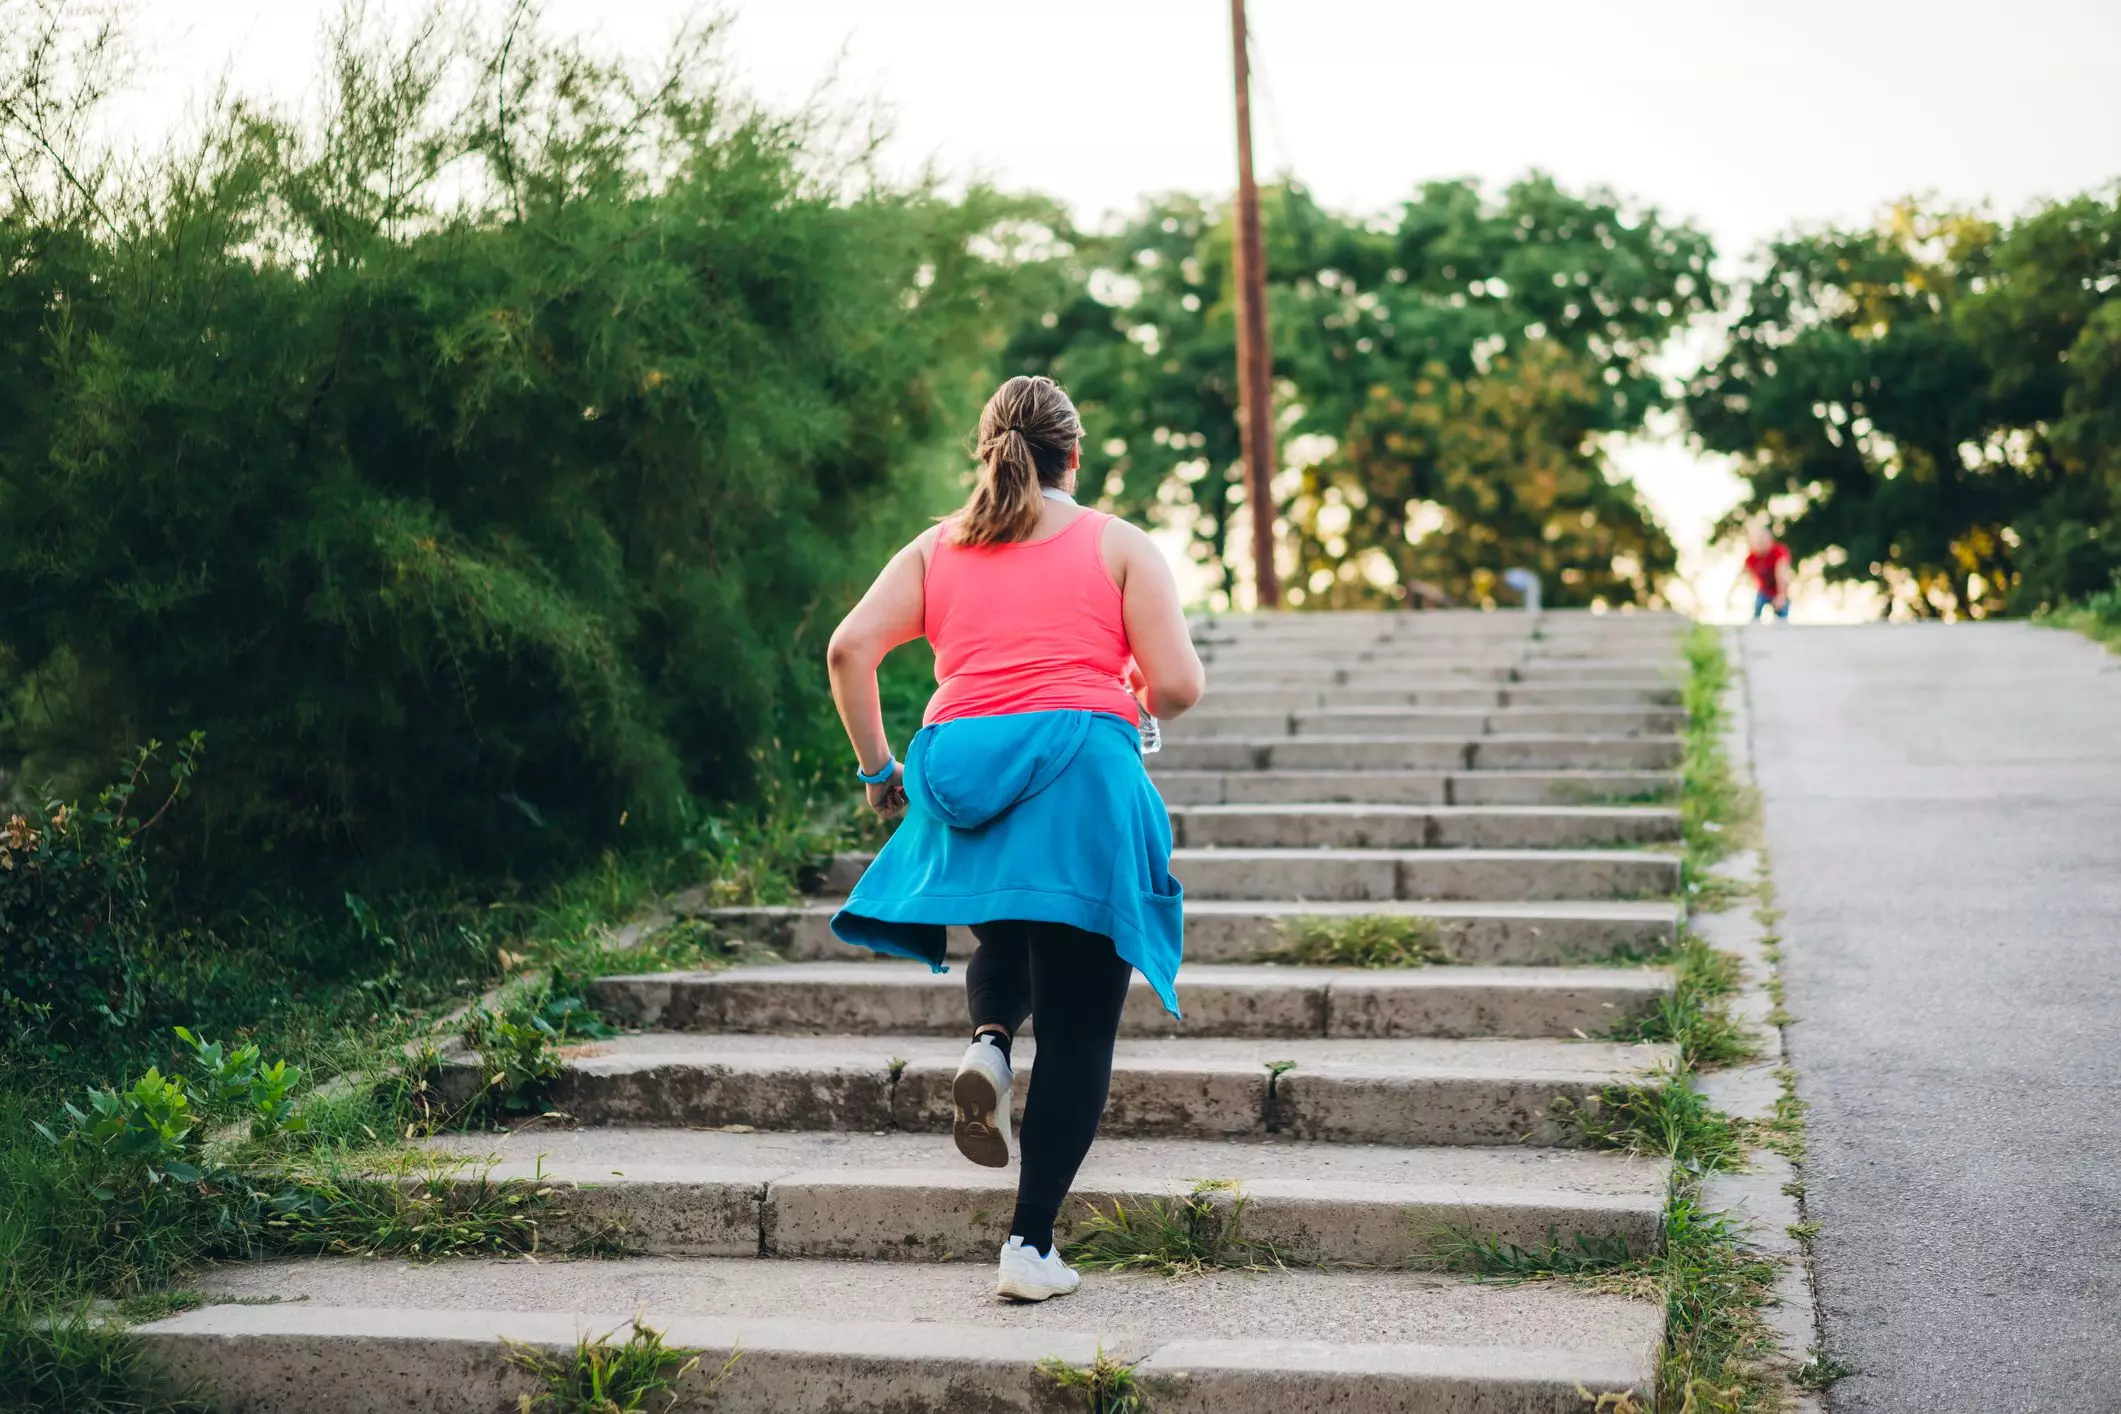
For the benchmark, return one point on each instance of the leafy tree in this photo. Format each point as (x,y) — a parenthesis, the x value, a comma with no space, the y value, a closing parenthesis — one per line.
(2047,320)
(479,475)
(1848,390)
(1454,281)
(1931,405)
(1459,479)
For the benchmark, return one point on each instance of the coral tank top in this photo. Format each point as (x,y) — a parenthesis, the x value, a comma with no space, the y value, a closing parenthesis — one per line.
(1027,627)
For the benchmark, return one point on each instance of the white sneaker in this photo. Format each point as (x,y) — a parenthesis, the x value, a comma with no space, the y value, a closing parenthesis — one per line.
(981,1092)
(1026,1276)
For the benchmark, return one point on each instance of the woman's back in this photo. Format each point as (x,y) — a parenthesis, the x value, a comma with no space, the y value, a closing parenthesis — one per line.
(1026,625)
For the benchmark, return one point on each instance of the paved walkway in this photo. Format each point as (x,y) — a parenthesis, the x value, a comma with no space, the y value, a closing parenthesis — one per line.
(1944,811)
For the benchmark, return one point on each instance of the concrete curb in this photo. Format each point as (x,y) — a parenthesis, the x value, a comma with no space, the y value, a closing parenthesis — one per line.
(1761,1200)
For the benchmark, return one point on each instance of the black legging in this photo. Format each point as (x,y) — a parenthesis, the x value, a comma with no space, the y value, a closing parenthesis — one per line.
(1072,985)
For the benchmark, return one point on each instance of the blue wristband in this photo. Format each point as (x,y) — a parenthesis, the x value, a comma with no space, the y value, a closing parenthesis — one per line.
(883,772)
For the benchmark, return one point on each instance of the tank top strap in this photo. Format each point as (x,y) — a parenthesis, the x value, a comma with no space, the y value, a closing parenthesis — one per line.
(1089,531)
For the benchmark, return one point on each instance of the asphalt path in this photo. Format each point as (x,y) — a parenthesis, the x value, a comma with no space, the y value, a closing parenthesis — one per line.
(1943,813)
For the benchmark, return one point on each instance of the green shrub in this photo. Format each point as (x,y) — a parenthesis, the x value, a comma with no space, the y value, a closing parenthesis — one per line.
(139,1136)
(239,1085)
(75,911)
(481,466)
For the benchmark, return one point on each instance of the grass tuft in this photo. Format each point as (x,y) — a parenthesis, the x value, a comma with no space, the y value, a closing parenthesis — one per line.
(1820,1370)
(1460,1250)
(1696,1015)
(1361,940)
(603,1376)
(1106,1386)
(1175,1237)
(1667,1118)
(418,1205)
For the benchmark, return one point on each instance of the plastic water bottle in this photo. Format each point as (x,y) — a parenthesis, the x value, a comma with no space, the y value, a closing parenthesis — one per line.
(1152,735)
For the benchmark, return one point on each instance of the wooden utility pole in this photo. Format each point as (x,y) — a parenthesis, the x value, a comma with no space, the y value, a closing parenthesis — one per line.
(1254,366)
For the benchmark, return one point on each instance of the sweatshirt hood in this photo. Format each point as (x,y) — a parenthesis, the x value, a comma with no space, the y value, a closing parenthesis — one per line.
(972,769)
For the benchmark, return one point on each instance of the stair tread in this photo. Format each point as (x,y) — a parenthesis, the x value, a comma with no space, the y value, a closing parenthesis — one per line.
(1615,910)
(628,1154)
(1503,812)
(1313,1055)
(798,1304)
(900,973)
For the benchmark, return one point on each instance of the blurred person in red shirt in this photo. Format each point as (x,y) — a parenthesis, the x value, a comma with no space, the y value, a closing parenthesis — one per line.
(1767,560)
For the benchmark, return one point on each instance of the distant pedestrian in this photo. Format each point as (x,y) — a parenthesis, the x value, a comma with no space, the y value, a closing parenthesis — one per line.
(1767,560)
(1029,815)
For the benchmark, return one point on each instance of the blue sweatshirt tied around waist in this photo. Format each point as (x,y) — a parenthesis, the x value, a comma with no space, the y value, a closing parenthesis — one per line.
(1045,816)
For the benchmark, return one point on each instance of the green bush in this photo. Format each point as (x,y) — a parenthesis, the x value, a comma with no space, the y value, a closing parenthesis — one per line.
(75,910)
(137,1137)
(481,467)
(239,1085)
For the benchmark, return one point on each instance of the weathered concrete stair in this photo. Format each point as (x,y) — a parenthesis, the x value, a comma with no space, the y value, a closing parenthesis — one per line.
(1405,1091)
(1346,720)
(821,1337)
(1183,787)
(1342,875)
(1222,698)
(1356,752)
(1260,1001)
(1254,930)
(908,1197)
(1369,826)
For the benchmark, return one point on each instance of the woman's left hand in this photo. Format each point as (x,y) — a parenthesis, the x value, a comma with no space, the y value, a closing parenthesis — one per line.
(888,798)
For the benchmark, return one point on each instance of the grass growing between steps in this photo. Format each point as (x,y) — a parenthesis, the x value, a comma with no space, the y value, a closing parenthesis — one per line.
(1175,1237)
(1718,1349)
(603,1376)
(1106,1386)
(1360,940)
(1695,1015)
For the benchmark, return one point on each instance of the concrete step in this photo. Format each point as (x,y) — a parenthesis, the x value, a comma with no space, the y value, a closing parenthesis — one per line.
(1485,696)
(1427,721)
(1418,753)
(1372,874)
(1407,1091)
(1430,673)
(1658,668)
(1488,933)
(1180,788)
(1352,874)
(1504,721)
(860,998)
(347,1336)
(1365,679)
(1270,826)
(912,1197)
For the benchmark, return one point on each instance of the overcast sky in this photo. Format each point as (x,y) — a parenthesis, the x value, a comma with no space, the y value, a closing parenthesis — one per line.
(1746,117)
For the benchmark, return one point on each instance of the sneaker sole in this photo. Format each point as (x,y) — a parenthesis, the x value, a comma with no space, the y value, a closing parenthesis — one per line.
(978,1130)
(978,1120)
(1006,1292)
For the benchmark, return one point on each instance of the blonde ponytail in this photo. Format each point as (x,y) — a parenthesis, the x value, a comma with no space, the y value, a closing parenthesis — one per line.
(1026,432)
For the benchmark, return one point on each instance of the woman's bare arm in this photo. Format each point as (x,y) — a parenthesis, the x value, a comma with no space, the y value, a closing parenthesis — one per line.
(889,614)
(1172,677)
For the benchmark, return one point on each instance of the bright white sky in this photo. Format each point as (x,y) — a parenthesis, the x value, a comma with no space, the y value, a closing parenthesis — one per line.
(1747,118)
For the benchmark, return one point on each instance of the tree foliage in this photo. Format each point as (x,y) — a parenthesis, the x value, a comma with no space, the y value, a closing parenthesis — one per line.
(480,465)
(1930,404)
(1453,481)
(1362,312)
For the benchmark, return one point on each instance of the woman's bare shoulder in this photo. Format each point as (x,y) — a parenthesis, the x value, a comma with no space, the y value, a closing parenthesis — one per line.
(1121,544)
